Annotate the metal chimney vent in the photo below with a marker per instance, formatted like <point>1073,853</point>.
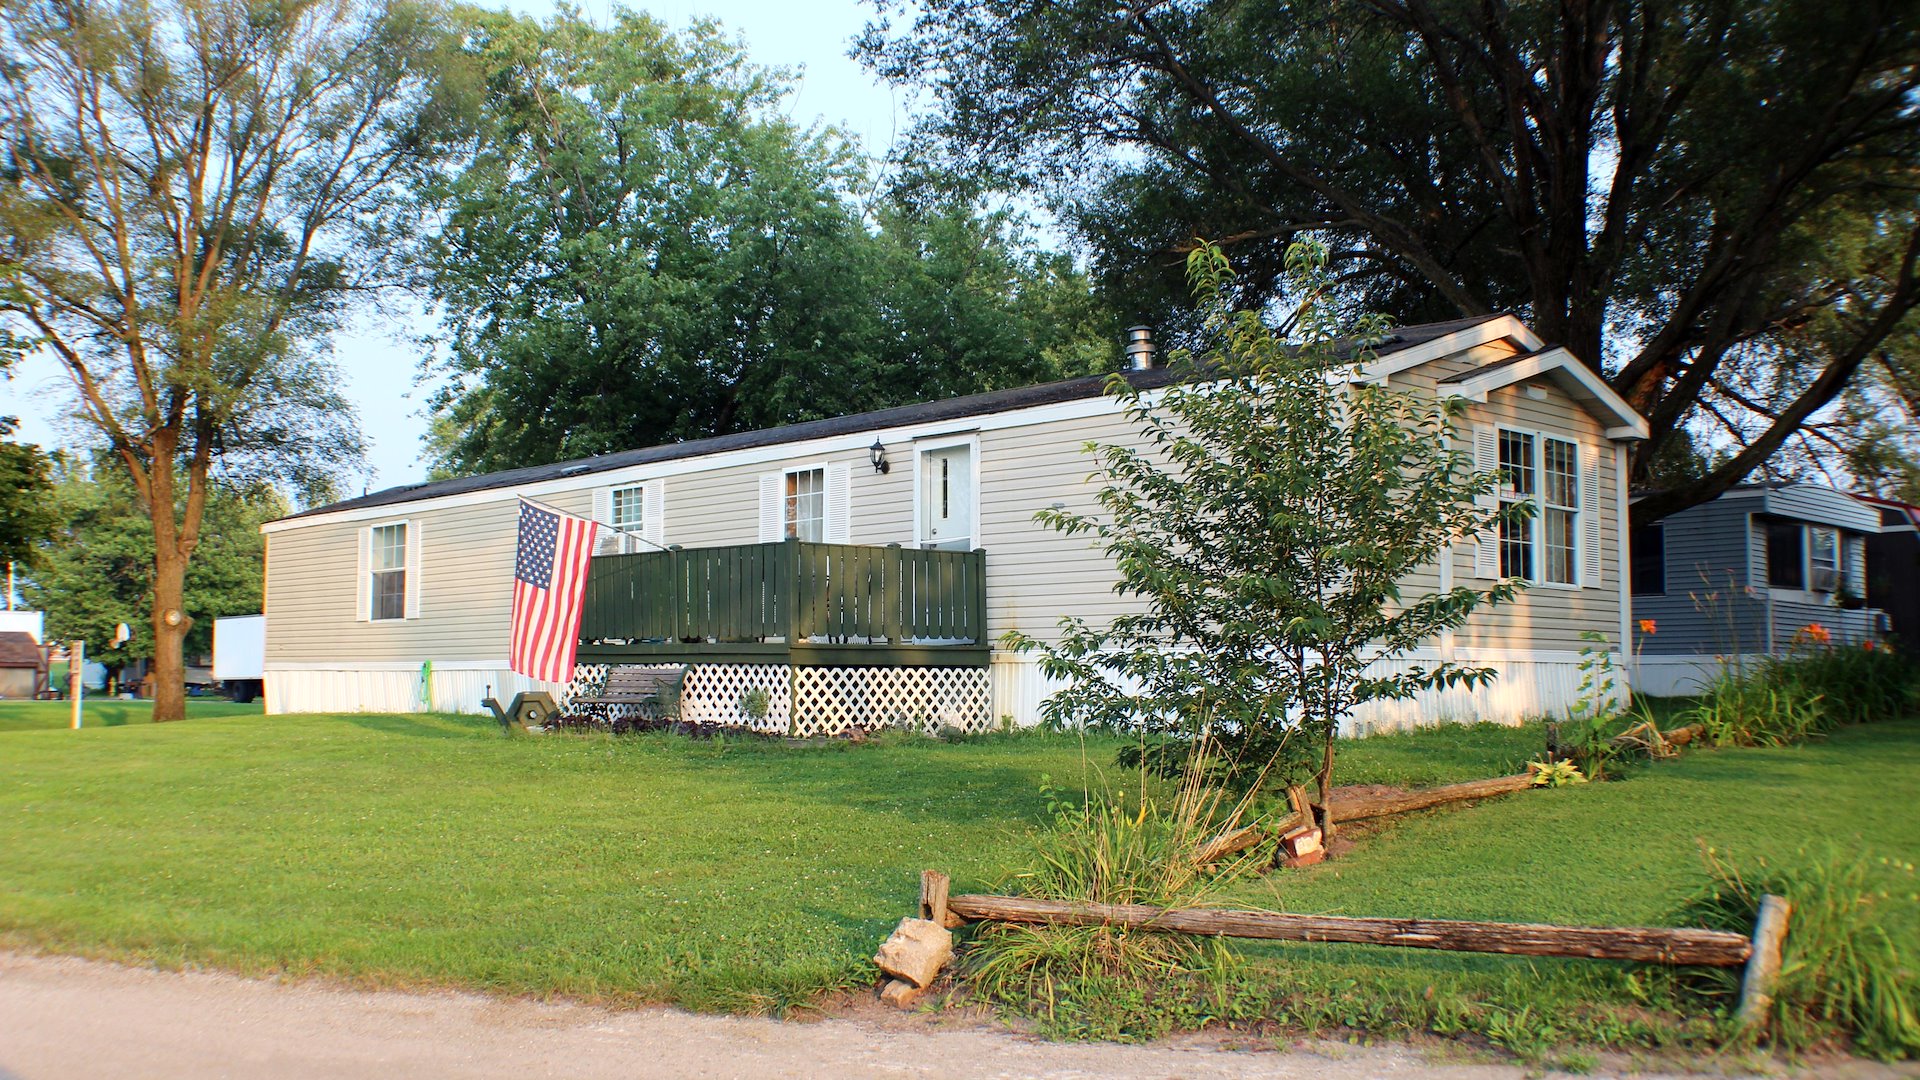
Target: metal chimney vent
<point>1140,348</point>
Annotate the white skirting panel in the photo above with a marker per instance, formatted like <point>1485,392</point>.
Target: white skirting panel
<point>1529,686</point>
<point>374,687</point>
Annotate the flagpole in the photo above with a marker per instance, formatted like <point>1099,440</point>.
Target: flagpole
<point>602,524</point>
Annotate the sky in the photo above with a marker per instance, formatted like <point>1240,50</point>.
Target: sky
<point>378,357</point>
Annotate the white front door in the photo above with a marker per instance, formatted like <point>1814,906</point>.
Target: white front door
<point>946,498</point>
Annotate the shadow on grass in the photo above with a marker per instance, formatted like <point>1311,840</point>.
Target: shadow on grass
<point>422,725</point>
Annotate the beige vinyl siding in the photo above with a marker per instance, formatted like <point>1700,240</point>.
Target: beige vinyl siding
<point>466,587</point>
<point>1036,576</point>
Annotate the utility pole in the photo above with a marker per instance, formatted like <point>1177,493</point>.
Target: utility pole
<point>9,584</point>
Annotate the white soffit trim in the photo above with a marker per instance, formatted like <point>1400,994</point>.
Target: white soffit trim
<point>1494,329</point>
<point>1570,375</point>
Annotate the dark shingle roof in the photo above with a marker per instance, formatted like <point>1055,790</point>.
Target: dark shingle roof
<point>18,650</point>
<point>994,401</point>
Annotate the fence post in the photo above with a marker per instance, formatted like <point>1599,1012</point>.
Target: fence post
<point>977,595</point>
<point>894,595</point>
<point>1763,966</point>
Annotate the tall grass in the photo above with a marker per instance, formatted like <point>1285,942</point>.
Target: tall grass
<point>1813,689</point>
<point>1112,846</point>
<point>1853,942</point>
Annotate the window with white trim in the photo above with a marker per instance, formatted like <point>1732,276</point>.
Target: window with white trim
<point>1516,486</point>
<point>387,572</point>
<point>627,508</point>
<point>1823,559</point>
<point>1543,472</point>
<point>806,505</point>
<point>1560,511</point>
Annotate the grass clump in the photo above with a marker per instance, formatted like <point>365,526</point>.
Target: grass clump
<point>1853,940</point>
<point>1114,847</point>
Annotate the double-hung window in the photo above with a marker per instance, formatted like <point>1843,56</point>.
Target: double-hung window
<point>1560,511</point>
<point>628,509</point>
<point>1823,559</point>
<point>1543,473</point>
<point>1517,485</point>
<point>806,505</point>
<point>387,570</point>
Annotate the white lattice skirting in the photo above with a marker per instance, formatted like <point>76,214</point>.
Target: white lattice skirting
<point>811,701</point>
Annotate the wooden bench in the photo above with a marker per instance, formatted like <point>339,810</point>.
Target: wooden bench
<point>630,690</point>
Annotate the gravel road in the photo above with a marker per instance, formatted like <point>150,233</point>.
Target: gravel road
<point>63,1017</point>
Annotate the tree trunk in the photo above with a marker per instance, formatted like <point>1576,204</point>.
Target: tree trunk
<point>1326,783</point>
<point>170,625</point>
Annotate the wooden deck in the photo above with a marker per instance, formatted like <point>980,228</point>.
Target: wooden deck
<point>788,603</point>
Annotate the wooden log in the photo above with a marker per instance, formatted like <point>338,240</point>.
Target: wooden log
<point>1763,967</point>
<point>1712,948</point>
<point>1681,736</point>
<point>1361,807</point>
<point>1228,843</point>
<point>934,887</point>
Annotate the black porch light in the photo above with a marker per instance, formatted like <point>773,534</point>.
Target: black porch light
<point>878,455</point>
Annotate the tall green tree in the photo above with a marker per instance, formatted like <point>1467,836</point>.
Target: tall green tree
<point>1713,203</point>
<point>97,570</point>
<point>640,247</point>
<point>192,194</point>
<point>26,518</point>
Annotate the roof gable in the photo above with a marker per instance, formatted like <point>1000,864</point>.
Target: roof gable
<point>1564,370</point>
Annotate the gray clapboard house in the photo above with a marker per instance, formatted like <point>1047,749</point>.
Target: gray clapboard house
<point>1741,576</point>
<point>864,568</point>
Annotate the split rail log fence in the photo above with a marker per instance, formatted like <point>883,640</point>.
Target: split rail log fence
<point>1759,954</point>
<point>1361,807</point>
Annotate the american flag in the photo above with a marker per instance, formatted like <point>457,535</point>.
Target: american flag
<point>549,582</point>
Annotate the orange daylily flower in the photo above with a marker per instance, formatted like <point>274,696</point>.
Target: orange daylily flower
<point>1647,626</point>
<point>1817,633</point>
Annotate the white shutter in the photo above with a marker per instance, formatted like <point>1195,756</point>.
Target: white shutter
<point>1854,568</point>
<point>1591,534</point>
<point>362,597</point>
<point>654,526</point>
<point>772,516</point>
<point>413,570</point>
<point>1486,459</point>
<point>605,540</point>
<point>839,524</point>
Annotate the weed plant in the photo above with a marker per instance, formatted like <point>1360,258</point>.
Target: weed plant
<point>1112,846</point>
<point>1810,691</point>
<point>1853,942</point>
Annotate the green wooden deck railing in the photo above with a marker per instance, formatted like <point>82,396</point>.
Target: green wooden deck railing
<point>792,602</point>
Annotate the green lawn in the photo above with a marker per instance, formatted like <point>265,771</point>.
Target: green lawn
<point>404,850</point>
<point>106,712</point>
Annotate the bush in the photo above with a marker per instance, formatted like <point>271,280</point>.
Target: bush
<point>1852,945</point>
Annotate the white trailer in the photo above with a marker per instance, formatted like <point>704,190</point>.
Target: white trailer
<point>240,655</point>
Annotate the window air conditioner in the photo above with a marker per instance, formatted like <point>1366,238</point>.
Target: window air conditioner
<point>1825,579</point>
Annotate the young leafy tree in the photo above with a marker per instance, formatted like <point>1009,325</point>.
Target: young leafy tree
<point>192,193</point>
<point>1711,203</point>
<point>1267,522</point>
